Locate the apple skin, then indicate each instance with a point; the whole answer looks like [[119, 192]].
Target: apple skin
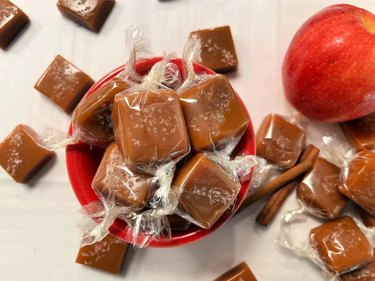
[[329, 69]]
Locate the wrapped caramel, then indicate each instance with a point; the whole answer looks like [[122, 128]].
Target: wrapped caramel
[[338, 247], [92, 123], [213, 112], [208, 185]]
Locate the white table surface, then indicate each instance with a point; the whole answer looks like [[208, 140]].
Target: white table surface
[[39, 238]]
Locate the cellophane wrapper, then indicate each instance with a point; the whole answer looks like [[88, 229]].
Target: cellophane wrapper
[[145, 158]]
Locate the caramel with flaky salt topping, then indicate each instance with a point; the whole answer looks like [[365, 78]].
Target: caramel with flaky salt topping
[[12, 21], [361, 132], [207, 190], [341, 245], [21, 155], [318, 191], [107, 254], [279, 141], [218, 52], [359, 185], [90, 13], [64, 84], [240, 272], [114, 178], [365, 273], [92, 117], [150, 128], [213, 113]]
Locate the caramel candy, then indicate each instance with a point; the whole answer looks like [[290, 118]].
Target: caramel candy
[[92, 117], [207, 190], [318, 191], [150, 127], [64, 84], [365, 273], [177, 223], [341, 245], [213, 113], [90, 13], [240, 272], [113, 177], [360, 181], [21, 155], [279, 141], [12, 21], [218, 52], [107, 254], [367, 219], [361, 132]]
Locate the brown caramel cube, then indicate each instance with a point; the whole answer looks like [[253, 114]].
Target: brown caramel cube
[[341, 245], [12, 21], [64, 84], [365, 273], [213, 113], [21, 155], [279, 141], [218, 52], [240, 272], [113, 177], [318, 191], [89, 13], [107, 254], [367, 219], [360, 180], [150, 127], [361, 132], [207, 191], [92, 117]]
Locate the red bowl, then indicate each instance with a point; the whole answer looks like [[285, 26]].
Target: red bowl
[[83, 160]]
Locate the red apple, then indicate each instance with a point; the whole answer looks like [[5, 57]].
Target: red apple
[[329, 68]]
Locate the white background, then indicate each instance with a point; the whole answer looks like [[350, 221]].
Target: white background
[[39, 238]]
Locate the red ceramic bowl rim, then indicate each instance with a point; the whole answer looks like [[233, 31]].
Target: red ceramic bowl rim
[[248, 144]]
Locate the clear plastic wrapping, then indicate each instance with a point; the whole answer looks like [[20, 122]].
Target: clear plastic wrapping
[[91, 122], [126, 184], [337, 247], [209, 184], [279, 141], [359, 180], [149, 124], [213, 112], [318, 192]]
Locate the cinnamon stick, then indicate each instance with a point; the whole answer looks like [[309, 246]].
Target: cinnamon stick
[[305, 163], [274, 203]]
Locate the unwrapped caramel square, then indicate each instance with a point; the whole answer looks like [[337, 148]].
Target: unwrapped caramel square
[[240, 272], [218, 52], [21, 155], [279, 141], [107, 254], [214, 114], [91, 14], [12, 21], [318, 191], [341, 245], [64, 84], [207, 190]]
